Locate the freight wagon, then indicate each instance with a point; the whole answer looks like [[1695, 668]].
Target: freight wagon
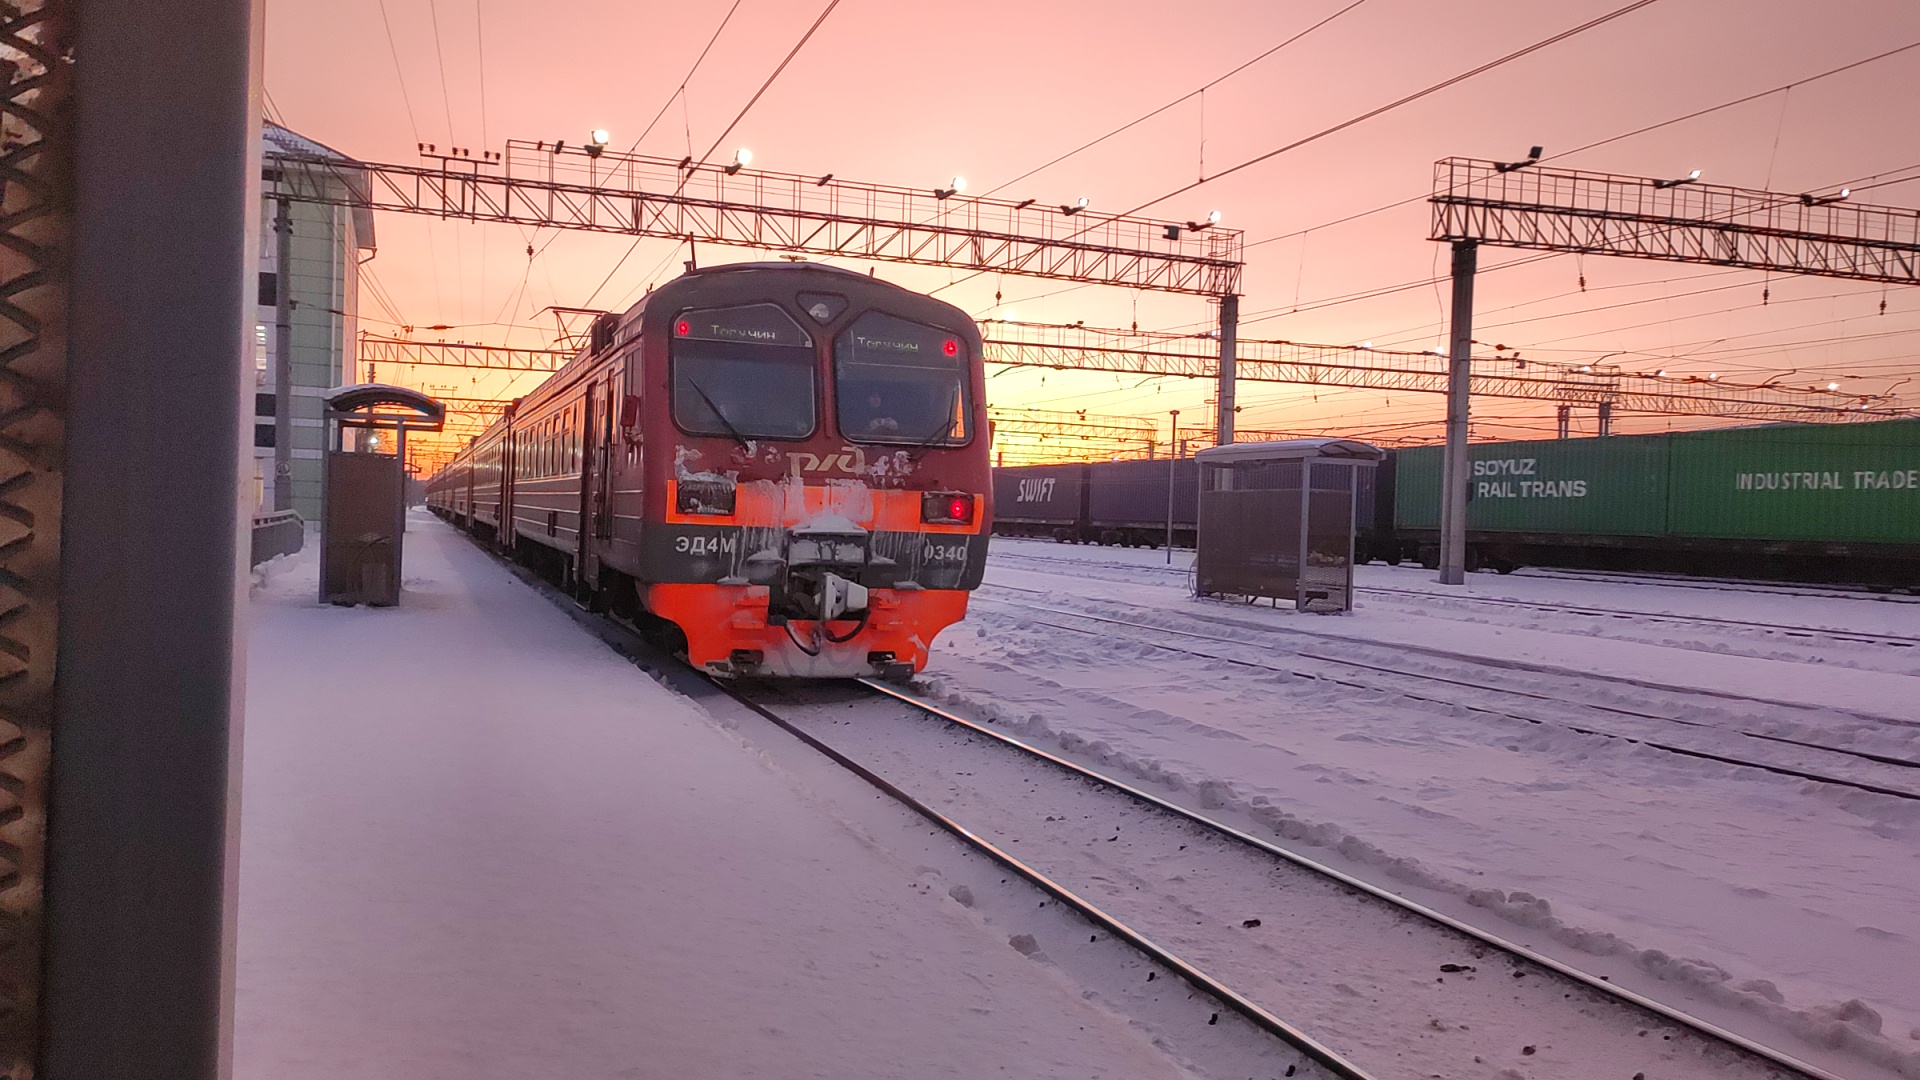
[[1787, 501], [1123, 503]]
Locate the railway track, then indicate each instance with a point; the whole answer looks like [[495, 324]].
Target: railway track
[[1255, 875], [1778, 768], [1702, 1049], [1769, 629], [1300, 1055]]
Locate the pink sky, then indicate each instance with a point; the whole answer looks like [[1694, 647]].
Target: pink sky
[[912, 93]]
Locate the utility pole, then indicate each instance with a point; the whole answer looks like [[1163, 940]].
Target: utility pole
[[283, 353], [1454, 474], [1229, 344], [1606, 418], [1566, 420], [1173, 458]]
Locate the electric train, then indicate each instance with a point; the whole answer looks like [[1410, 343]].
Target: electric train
[[781, 469]]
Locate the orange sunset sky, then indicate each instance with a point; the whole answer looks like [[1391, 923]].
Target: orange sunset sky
[[913, 93]]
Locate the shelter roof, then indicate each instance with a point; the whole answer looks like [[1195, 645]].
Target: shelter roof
[[1293, 450]]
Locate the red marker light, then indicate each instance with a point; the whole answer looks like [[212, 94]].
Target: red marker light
[[683, 328], [960, 509], [952, 347]]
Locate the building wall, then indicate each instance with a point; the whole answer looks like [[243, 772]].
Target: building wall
[[324, 283]]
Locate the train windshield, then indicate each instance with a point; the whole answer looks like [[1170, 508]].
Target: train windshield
[[743, 373], [901, 382]]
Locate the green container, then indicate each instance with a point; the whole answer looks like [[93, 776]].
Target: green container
[[1833, 483], [1585, 487]]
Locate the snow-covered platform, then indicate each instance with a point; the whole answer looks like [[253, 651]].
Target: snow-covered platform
[[477, 843]]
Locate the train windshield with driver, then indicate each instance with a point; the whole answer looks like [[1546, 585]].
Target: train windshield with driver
[[781, 468]]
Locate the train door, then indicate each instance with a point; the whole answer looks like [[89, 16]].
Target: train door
[[604, 449], [506, 535], [586, 555]]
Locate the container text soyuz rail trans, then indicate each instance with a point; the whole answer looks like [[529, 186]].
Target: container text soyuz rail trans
[[1521, 489]]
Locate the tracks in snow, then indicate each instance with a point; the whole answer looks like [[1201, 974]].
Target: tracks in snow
[[1399, 989], [1899, 777]]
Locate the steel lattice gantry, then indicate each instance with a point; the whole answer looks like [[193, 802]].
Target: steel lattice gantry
[[375, 349], [552, 185], [1523, 205], [1636, 217], [1086, 348], [564, 187]]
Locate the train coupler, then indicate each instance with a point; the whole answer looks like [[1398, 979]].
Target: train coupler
[[889, 669]]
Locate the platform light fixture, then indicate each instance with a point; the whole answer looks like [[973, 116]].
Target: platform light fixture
[[597, 141], [1691, 178], [1212, 219], [954, 187], [742, 158], [1825, 200], [1079, 204], [1533, 158]]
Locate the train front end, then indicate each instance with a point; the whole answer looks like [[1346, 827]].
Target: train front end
[[820, 470]]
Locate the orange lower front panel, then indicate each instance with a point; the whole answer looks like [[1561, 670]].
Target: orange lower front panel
[[719, 620]]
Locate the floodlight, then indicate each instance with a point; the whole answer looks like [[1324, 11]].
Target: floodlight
[[1692, 177], [601, 137], [1079, 204], [1533, 157], [1212, 219], [954, 187], [742, 158]]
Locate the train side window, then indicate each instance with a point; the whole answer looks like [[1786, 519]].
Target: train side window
[[901, 382]]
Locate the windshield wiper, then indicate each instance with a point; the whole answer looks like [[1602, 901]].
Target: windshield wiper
[[720, 416], [945, 430]]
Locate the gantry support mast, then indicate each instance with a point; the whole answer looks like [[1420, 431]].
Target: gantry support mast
[[1522, 205]]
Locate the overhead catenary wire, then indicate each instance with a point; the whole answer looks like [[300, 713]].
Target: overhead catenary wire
[[735, 122], [1455, 80], [1353, 121], [1694, 115], [399, 72], [1188, 96], [678, 94]]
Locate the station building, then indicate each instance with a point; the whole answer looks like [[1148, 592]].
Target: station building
[[322, 279]]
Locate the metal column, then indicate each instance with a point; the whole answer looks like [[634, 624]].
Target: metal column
[[1229, 342], [1173, 459], [1606, 418], [1454, 474], [37, 198], [144, 817], [283, 354]]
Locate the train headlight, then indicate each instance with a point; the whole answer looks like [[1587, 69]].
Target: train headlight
[[946, 508], [713, 497]]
